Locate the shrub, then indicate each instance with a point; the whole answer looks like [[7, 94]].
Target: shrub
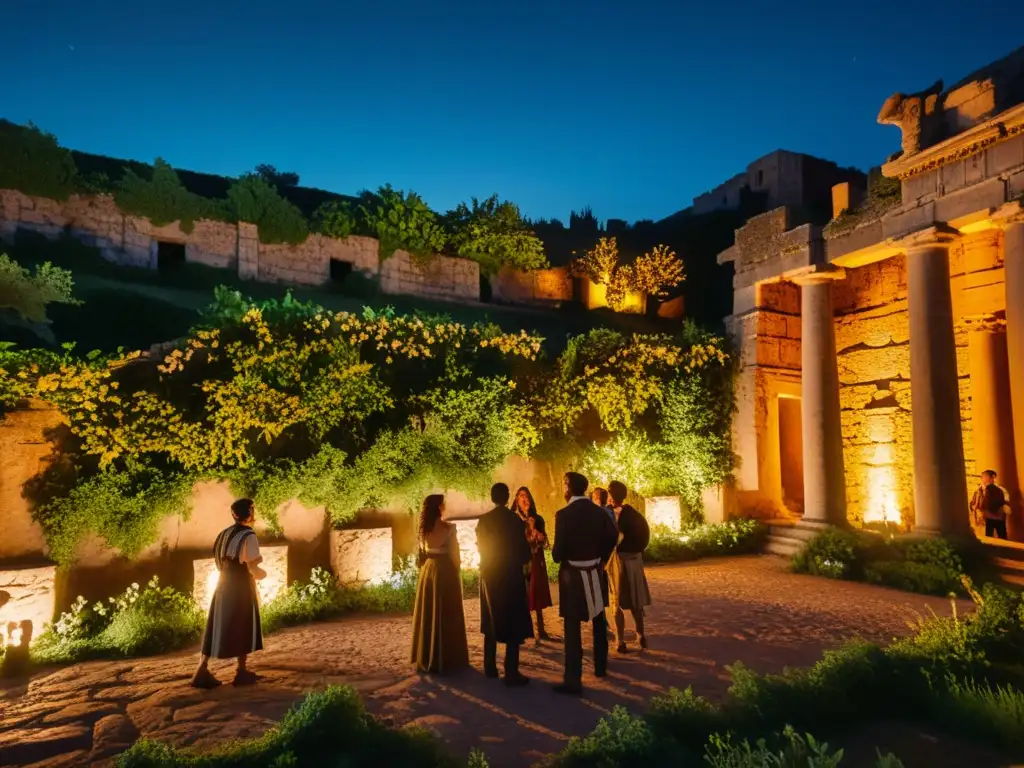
[[993, 714], [138, 622], [253, 200], [796, 752], [327, 728], [402, 221], [161, 198], [834, 553], [33, 163], [909, 576], [335, 219], [734, 537], [24, 296], [494, 235]]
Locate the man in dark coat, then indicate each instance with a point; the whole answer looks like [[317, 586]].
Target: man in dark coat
[[504, 607], [585, 537]]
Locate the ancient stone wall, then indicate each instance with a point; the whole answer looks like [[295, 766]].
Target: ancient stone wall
[[134, 241], [540, 286], [873, 346], [441, 278]]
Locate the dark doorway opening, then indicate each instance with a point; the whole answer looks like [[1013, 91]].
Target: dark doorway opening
[[485, 289], [169, 255], [340, 270]]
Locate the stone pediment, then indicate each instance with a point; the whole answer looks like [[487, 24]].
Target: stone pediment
[[935, 115]]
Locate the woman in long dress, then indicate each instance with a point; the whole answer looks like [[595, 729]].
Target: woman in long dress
[[438, 623], [233, 628], [539, 590]]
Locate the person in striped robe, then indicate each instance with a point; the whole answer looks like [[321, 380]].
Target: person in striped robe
[[233, 628]]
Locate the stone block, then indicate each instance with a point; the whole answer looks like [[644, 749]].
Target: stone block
[[27, 603], [978, 197], [919, 187], [1004, 156], [468, 551], [663, 511], [275, 563], [861, 366], [361, 556]]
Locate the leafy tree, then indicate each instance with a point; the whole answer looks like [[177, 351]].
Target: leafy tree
[[24, 295], [254, 200], [32, 162], [402, 221], [495, 235], [275, 178], [655, 272], [652, 273], [335, 219], [161, 198]]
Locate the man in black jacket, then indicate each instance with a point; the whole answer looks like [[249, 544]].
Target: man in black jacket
[[585, 537], [504, 608]]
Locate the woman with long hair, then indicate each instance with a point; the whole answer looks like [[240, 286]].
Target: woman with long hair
[[539, 590], [438, 623]]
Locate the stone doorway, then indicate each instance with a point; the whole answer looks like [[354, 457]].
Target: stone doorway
[[791, 454], [169, 255]]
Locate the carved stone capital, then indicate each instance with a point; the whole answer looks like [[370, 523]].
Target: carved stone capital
[[987, 323], [824, 273], [1008, 215], [930, 237]]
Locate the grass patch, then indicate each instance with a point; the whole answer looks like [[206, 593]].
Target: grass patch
[[328, 728]]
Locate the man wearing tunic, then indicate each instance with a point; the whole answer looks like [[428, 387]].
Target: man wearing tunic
[[233, 626], [504, 608], [585, 537], [627, 582]]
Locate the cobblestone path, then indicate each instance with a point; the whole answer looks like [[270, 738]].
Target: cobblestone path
[[706, 615]]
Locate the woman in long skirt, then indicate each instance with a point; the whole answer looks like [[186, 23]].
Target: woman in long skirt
[[233, 628], [438, 623], [539, 590]]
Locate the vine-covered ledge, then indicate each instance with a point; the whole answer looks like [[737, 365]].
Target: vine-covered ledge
[[883, 195]]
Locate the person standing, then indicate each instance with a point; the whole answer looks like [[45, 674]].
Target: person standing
[[600, 497], [233, 629], [990, 502], [585, 537], [504, 607], [536, 535], [627, 582], [439, 642]]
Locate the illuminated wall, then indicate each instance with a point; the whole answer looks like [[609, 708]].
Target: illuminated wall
[[275, 563], [873, 347]]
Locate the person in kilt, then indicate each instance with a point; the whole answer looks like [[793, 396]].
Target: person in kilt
[[627, 582], [233, 628]]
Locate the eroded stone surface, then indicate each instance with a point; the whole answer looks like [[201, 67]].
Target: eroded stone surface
[[705, 615], [361, 556]]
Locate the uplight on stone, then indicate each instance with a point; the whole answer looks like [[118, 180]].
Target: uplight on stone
[[468, 552], [275, 563], [26, 603], [664, 511]]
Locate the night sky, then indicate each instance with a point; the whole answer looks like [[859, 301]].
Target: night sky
[[629, 107]]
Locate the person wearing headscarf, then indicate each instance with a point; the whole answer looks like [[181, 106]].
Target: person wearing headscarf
[[233, 628], [439, 642], [539, 591]]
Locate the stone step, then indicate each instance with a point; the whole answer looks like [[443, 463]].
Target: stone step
[[782, 546], [795, 532]]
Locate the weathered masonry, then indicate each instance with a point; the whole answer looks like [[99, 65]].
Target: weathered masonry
[[883, 355]]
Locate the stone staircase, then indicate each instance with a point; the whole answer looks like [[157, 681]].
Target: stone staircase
[[785, 539], [1007, 558]]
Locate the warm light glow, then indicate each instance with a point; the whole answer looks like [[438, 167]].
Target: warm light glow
[[664, 510], [212, 580], [469, 554], [882, 502], [275, 563], [10, 635]]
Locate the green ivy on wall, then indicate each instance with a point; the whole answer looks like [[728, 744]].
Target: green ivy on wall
[[32, 162]]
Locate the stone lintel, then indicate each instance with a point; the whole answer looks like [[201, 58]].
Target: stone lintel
[[1003, 126], [929, 237]]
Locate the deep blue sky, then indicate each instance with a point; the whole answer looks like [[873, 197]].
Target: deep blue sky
[[630, 107]]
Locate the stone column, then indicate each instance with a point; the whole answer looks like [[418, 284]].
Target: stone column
[[940, 483], [1013, 261], [990, 402], [824, 479]]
